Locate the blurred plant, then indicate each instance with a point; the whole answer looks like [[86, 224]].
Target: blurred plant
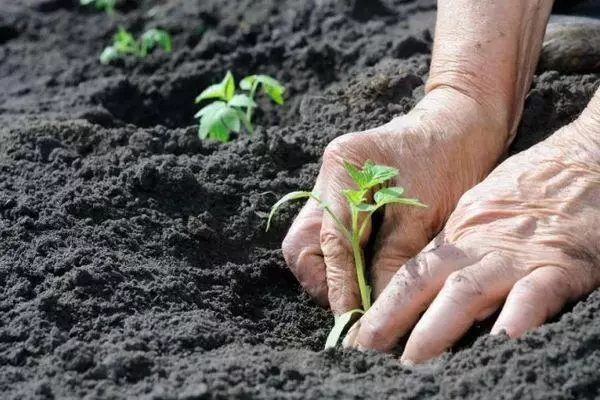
[[124, 43], [230, 111]]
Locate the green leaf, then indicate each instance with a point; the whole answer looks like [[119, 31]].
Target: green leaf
[[393, 195], [356, 175], [217, 120], [386, 194], [109, 54], [376, 174], [246, 122], [211, 108], [275, 93], [341, 323], [231, 119], [355, 197], [223, 90], [247, 82], [211, 92], [229, 84], [242, 100], [285, 199], [271, 86], [366, 207], [124, 40], [154, 36]]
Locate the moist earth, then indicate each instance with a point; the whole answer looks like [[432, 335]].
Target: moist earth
[[134, 261]]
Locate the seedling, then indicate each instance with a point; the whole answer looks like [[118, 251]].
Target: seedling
[[229, 111], [368, 179], [125, 43], [106, 5]]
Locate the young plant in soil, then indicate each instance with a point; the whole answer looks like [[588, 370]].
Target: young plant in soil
[[106, 5], [229, 110], [124, 43], [368, 179]]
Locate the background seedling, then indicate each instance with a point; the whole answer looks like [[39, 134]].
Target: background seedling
[[124, 43], [367, 179], [106, 5], [230, 111]]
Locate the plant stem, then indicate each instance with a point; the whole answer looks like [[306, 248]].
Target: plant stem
[[359, 264], [252, 94]]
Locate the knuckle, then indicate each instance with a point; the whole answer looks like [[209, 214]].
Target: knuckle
[[460, 285], [339, 148], [332, 243]]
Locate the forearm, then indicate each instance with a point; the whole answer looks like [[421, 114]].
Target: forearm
[[488, 51]]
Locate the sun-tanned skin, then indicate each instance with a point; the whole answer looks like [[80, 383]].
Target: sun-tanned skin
[[523, 235]]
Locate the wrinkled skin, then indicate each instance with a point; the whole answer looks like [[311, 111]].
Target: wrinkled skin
[[321, 258], [527, 234]]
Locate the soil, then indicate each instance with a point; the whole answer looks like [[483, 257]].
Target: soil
[[133, 257]]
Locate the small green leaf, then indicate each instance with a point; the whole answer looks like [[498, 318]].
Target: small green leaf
[[242, 100], [154, 36], [124, 40], [366, 207], [211, 92], [229, 85], [247, 82], [275, 93], [341, 323], [272, 87], [393, 195], [212, 108], [386, 194], [245, 121], [355, 197], [377, 174], [218, 119], [109, 54], [285, 199], [223, 90], [356, 175], [231, 119]]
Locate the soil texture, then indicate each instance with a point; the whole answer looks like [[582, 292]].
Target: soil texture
[[133, 257]]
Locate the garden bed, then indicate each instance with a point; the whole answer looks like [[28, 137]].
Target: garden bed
[[133, 257]]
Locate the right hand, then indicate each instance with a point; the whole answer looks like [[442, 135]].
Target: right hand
[[443, 147]]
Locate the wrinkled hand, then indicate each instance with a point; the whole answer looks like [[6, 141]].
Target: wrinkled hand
[[527, 236], [442, 148]]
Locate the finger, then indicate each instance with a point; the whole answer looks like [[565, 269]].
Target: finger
[[467, 296], [535, 298], [409, 293], [301, 249], [397, 242]]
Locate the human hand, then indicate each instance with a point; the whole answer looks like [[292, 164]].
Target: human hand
[[441, 148], [526, 236]]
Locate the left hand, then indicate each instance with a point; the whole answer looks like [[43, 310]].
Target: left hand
[[527, 236]]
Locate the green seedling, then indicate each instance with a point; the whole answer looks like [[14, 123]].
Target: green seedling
[[124, 43], [229, 110], [369, 179], [106, 5]]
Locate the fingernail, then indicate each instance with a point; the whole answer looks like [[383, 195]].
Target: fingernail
[[350, 339]]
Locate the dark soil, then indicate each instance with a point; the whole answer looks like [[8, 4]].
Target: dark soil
[[133, 257]]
